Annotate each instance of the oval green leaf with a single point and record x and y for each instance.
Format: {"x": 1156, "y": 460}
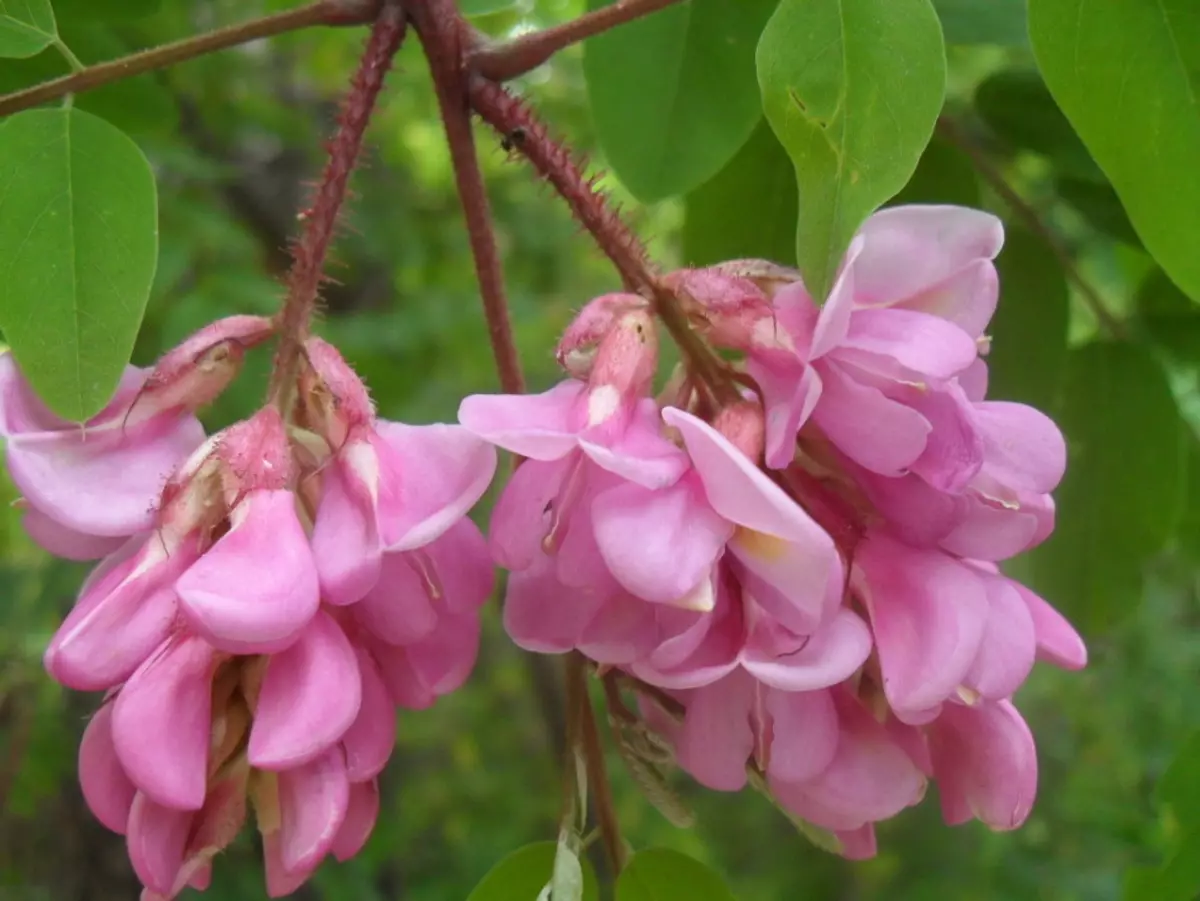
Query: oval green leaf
{"x": 673, "y": 95}
{"x": 525, "y": 872}
{"x": 1127, "y": 75}
{"x": 853, "y": 89}
{"x": 26, "y": 27}
{"x": 78, "y": 249}
{"x": 748, "y": 209}
{"x": 660, "y": 874}
{"x": 983, "y": 21}
{"x": 1123, "y": 493}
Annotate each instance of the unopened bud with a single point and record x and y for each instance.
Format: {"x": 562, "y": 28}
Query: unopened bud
{"x": 256, "y": 453}
{"x": 727, "y": 308}
{"x": 628, "y": 356}
{"x": 743, "y": 424}
{"x": 577, "y": 349}
{"x": 333, "y": 399}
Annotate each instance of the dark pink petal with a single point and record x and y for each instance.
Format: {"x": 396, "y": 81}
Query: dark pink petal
{"x": 1007, "y": 650}
{"x": 917, "y": 511}
{"x": 716, "y": 741}
{"x": 256, "y": 588}
{"x": 990, "y": 530}
{"x": 1057, "y": 640}
{"x": 310, "y": 695}
{"x": 954, "y": 451}
{"x": 986, "y": 764}
{"x": 639, "y": 453}
{"x": 539, "y": 426}
{"x": 829, "y": 656}
{"x": 398, "y": 609}
{"x": 361, "y": 813}
{"x": 313, "y": 800}
{"x": 659, "y": 544}
{"x": 430, "y": 477}
{"x": 443, "y": 660}
{"x": 281, "y": 881}
{"x": 369, "y": 741}
{"x": 918, "y": 342}
{"x": 804, "y": 734}
{"x": 345, "y": 539}
{"x": 460, "y": 567}
{"x": 404, "y": 685}
{"x": 161, "y": 722}
{"x": 834, "y": 319}
{"x": 696, "y": 649}
{"x": 790, "y": 392}
{"x": 106, "y": 788}
{"x": 521, "y": 517}
{"x": 1025, "y": 450}
{"x": 928, "y": 612}
{"x": 64, "y": 542}
{"x": 541, "y": 615}
{"x": 858, "y": 844}
{"x": 621, "y": 631}
{"x": 157, "y": 838}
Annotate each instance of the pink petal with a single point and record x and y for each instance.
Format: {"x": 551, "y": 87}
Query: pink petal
{"x": 430, "y": 477}
{"x": 106, "y": 788}
{"x": 369, "y": 741}
{"x": 794, "y": 573}
{"x": 991, "y": 531}
{"x": 918, "y": 342}
{"x": 313, "y": 800}
{"x": 804, "y": 734}
{"x": 256, "y": 588}
{"x": 521, "y": 517}
{"x": 398, "y": 609}
{"x": 281, "y": 882}
{"x": 858, "y": 844}
{"x": 918, "y": 512}
{"x": 834, "y": 321}
{"x": 696, "y": 649}
{"x": 954, "y": 450}
{"x": 968, "y": 298}
{"x": 1007, "y": 650}
{"x": 361, "y": 813}
{"x": 157, "y": 837}
{"x": 640, "y": 453}
{"x": 538, "y": 426}
{"x": 541, "y": 615}
{"x": 161, "y": 722}
{"x": 460, "y": 567}
{"x": 659, "y": 544}
{"x": 621, "y": 631}
{"x": 345, "y": 539}
{"x": 986, "y": 764}
{"x": 867, "y": 426}
{"x": 928, "y": 612}
{"x": 716, "y": 741}
{"x": 310, "y": 695}
{"x": 831, "y": 655}
{"x": 974, "y": 381}
{"x": 22, "y": 411}
{"x": 443, "y": 660}
{"x": 64, "y": 542}
{"x": 1024, "y": 448}
{"x": 1057, "y": 640}
{"x": 404, "y": 686}
{"x": 789, "y": 395}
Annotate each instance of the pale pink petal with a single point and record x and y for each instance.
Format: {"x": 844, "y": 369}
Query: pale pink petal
{"x": 974, "y": 381}
{"x": 858, "y": 844}
{"x": 106, "y": 789}
{"x": 918, "y": 512}
{"x": 794, "y": 573}
{"x": 954, "y": 451}
{"x": 640, "y": 453}
{"x": 256, "y": 588}
{"x": 968, "y": 298}
{"x": 928, "y": 613}
{"x": 430, "y": 477}
{"x": 369, "y": 741}
{"x": 621, "y": 631}
{"x": 1007, "y": 650}
{"x": 697, "y": 649}
{"x": 541, "y": 614}
{"x": 345, "y": 539}
{"x": 313, "y": 800}
{"x": 65, "y": 542}
{"x": 521, "y": 517}
{"x": 22, "y": 411}
{"x": 918, "y": 342}
{"x": 157, "y": 837}
{"x": 459, "y": 567}
{"x": 1057, "y": 640}
{"x": 404, "y": 686}
{"x": 281, "y": 882}
{"x": 539, "y": 426}
{"x": 310, "y": 695}
{"x": 398, "y": 609}
{"x": 659, "y": 544}
{"x": 443, "y": 660}
{"x": 361, "y": 813}
{"x": 804, "y": 734}
{"x": 829, "y": 656}
{"x": 716, "y": 741}
{"x": 789, "y": 395}
{"x": 835, "y": 317}
{"x": 161, "y": 722}
{"x": 867, "y": 426}
{"x": 1024, "y": 449}
{"x": 986, "y": 764}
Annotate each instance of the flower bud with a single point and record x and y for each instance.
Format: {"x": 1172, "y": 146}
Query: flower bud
{"x": 580, "y": 342}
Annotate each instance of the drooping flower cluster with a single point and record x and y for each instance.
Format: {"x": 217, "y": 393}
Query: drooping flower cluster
{"x": 809, "y": 568}
{"x": 268, "y": 596}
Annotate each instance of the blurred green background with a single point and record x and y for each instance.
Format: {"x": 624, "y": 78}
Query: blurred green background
{"x": 236, "y": 142}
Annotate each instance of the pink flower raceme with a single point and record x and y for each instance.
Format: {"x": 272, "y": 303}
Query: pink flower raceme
{"x": 89, "y": 486}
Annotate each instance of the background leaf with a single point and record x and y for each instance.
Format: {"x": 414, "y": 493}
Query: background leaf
{"x": 525, "y": 872}
{"x": 1120, "y": 501}
{"x": 944, "y": 175}
{"x": 660, "y": 874}
{"x": 78, "y": 249}
{"x": 748, "y": 209}
{"x": 26, "y": 27}
{"x": 983, "y": 21}
{"x": 471, "y": 8}
{"x": 1127, "y": 75}
{"x": 1098, "y": 203}
{"x": 853, "y": 89}
{"x": 673, "y": 95}
{"x": 1169, "y": 318}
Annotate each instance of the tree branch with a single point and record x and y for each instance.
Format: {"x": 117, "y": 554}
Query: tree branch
{"x": 503, "y": 61}
{"x": 1021, "y": 207}
{"x": 441, "y": 32}
{"x": 320, "y": 12}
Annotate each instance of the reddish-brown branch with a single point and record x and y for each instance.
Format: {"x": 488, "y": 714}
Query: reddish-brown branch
{"x": 321, "y": 12}
{"x": 500, "y": 62}
{"x": 309, "y": 251}
{"x": 441, "y": 31}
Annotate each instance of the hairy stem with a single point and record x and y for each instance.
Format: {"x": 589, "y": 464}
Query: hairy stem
{"x": 320, "y": 12}
{"x": 502, "y": 61}
{"x": 308, "y": 253}
{"x": 1021, "y": 207}
{"x": 441, "y": 31}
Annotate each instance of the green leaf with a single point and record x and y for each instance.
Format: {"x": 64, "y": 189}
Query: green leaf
{"x": 1187, "y": 538}
{"x": 1121, "y": 499}
{"x": 983, "y": 21}
{"x": 1019, "y": 108}
{"x": 660, "y": 874}
{"x": 525, "y": 872}
{"x": 944, "y": 175}
{"x": 1179, "y": 880}
{"x": 1169, "y": 317}
{"x": 26, "y": 27}
{"x": 1029, "y": 330}
{"x": 1179, "y": 788}
{"x": 747, "y": 210}
{"x": 1099, "y": 204}
{"x": 853, "y": 89}
{"x": 473, "y": 8}
{"x": 78, "y": 248}
{"x": 1127, "y": 75}
{"x": 673, "y": 95}
{"x": 104, "y": 10}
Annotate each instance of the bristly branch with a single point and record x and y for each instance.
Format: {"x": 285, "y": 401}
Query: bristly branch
{"x": 309, "y": 251}
{"x": 320, "y": 12}
{"x": 504, "y": 61}
{"x": 441, "y": 32}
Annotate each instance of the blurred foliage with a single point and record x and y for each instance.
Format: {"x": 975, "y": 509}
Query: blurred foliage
{"x": 236, "y": 140}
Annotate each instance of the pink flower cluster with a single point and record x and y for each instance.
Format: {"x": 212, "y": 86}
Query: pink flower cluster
{"x": 808, "y": 567}
{"x": 268, "y": 596}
